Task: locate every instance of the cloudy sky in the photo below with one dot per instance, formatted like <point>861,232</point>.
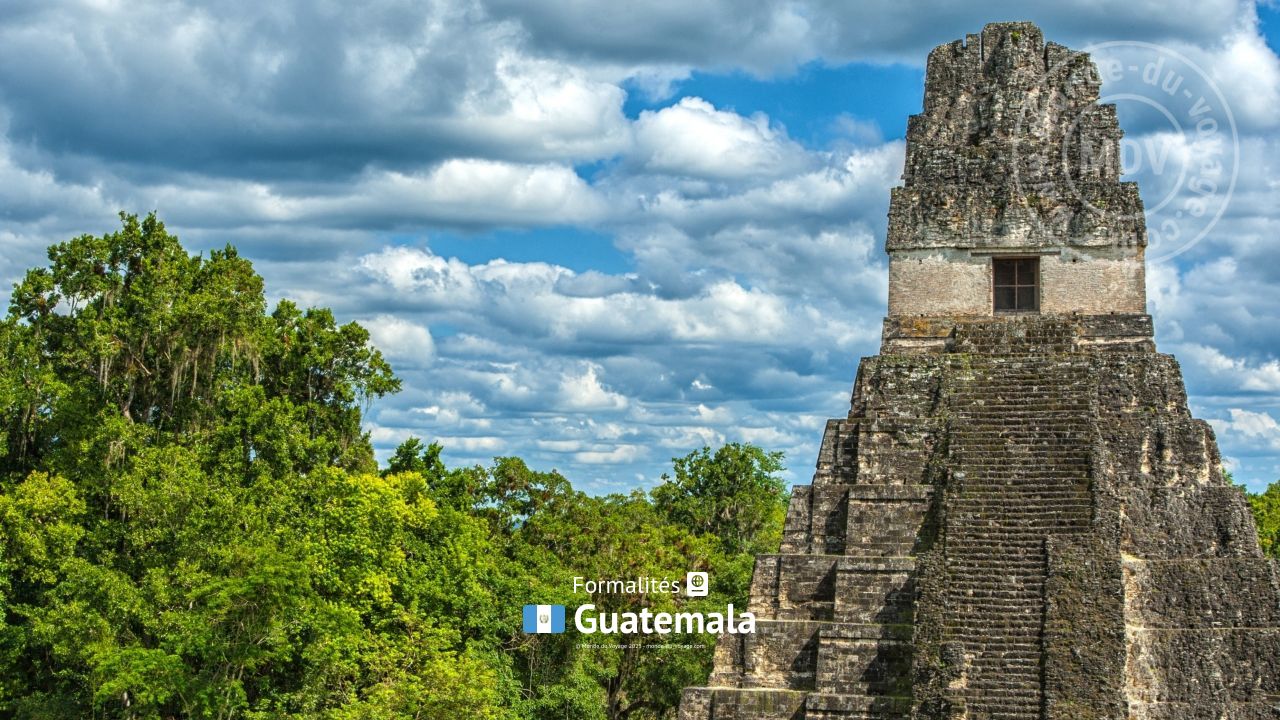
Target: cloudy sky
<point>599,234</point>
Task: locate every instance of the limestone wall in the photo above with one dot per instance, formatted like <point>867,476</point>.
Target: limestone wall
<point>1092,285</point>
<point>958,282</point>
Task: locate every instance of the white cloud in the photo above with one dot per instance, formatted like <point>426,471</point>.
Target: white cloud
<point>400,339</point>
<point>457,191</point>
<point>559,446</point>
<point>769,37</point>
<point>528,299</point>
<point>694,138</point>
<point>746,276</point>
<point>425,275</point>
<point>844,187</point>
<point>549,104</point>
<point>487,191</point>
<point>619,455</point>
<point>1259,377</point>
<point>480,444</point>
<point>583,392</point>
<point>1255,428</point>
<point>1248,72</point>
<point>713,416</point>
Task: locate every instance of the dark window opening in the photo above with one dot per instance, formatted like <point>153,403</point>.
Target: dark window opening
<point>1017,284</point>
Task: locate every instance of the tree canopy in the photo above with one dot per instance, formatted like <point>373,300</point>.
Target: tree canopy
<point>1266,513</point>
<point>193,522</point>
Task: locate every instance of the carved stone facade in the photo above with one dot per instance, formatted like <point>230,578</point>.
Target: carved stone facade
<point>1018,518</point>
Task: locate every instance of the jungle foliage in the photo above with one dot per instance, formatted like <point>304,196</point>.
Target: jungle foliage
<point>193,523</point>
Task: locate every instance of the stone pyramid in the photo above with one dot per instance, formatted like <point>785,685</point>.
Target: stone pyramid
<point>1019,518</point>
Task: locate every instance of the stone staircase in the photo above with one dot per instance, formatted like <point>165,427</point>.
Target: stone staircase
<point>1019,458</point>
<point>833,631</point>
<point>835,608</point>
<point>1021,525</point>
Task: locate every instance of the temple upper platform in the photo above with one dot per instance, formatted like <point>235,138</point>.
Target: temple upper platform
<point>1011,202</point>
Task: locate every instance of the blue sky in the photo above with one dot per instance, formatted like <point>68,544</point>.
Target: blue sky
<point>591,234</point>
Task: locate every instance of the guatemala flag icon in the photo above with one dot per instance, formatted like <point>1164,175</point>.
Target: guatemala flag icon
<point>544,618</point>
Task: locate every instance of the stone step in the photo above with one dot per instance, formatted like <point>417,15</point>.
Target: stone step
<point>988,648</point>
<point>968,541</point>
<point>1028,402</point>
<point>1015,534</point>
<point>1007,583</point>
<point>1004,585</point>
<point>994,602</point>
<point>977,415</point>
<point>1015,484</point>
<point>723,703</point>
<point>1014,437</point>
<point>780,654</point>
<point>1011,710</point>
<point>990,663</point>
<point>1000,622</point>
<point>993,567</point>
<point>965,506</point>
<point>1027,480</point>
<point>1023,488</point>
<point>1058,462</point>
<point>1000,396</point>
<point>832,706</point>
<point>1014,683</point>
<point>998,525</point>
<point>1012,493</point>
<point>864,665</point>
<point>1006,449</point>
<point>993,563</point>
<point>1051,407</point>
<point>1010,530</point>
<point>1006,579</point>
<point>1016,446</point>
<point>1019,384</point>
<point>1045,464</point>
<point>1042,372</point>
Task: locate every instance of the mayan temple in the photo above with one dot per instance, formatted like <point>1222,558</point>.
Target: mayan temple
<point>1019,518</point>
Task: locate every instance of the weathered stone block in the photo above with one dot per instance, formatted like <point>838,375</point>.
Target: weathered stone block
<point>1201,593</point>
<point>794,587</point>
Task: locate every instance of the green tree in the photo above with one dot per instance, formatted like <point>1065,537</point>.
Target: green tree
<point>1266,513</point>
<point>412,456</point>
<point>192,523</point>
<point>732,494</point>
<point>189,521</point>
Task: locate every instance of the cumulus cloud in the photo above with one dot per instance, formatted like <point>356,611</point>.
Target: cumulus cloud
<point>741,276</point>
<point>583,391</point>
<point>768,37</point>
<point>1249,73</point>
<point>1256,425</point>
<point>1233,372</point>
<point>621,454</point>
<point>400,339</point>
<point>693,138</point>
<point>1255,435</point>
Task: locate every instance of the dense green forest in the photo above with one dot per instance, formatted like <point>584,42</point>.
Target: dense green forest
<point>1266,511</point>
<point>193,523</point>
